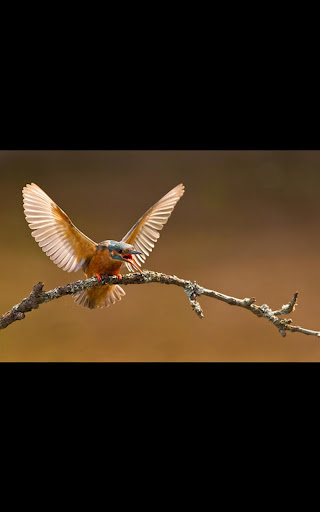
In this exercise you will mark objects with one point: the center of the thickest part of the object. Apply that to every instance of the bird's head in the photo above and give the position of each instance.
(122, 252)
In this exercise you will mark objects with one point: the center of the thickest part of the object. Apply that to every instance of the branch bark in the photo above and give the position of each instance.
(193, 290)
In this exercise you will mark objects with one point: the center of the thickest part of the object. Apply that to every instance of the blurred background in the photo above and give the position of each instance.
(248, 225)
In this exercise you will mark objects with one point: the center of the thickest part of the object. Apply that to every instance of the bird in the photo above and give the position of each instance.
(72, 250)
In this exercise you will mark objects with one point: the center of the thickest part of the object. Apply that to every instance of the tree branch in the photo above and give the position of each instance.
(193, 290)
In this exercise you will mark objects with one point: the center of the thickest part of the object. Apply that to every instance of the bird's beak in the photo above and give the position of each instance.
(135, 266)
(130, 260)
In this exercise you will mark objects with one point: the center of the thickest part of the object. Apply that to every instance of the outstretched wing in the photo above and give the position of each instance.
(53, 230)
(144, 233)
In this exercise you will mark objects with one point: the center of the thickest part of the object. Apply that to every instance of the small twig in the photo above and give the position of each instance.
(288, 308)
(192, 289)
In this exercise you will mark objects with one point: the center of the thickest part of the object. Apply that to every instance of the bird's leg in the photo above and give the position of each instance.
(119, 276)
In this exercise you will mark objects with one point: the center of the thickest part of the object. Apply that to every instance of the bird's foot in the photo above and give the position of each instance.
(98, 276)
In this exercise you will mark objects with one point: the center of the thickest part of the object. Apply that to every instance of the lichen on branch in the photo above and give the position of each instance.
(193, 290)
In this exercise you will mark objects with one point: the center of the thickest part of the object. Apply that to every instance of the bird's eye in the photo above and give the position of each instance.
(120, 251)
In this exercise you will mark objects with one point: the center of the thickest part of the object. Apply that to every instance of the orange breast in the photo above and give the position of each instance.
(101, 263)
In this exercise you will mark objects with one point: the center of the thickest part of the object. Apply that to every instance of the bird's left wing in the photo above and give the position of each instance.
(53, 230)
(144, 233)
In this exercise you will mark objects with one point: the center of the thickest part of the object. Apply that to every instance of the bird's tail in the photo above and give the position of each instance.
(99, 296)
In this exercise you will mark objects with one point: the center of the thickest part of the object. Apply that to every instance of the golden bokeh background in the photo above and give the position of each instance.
(248, 225)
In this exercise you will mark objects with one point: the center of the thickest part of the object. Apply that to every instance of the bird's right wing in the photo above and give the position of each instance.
(144, 234)
(53, 230)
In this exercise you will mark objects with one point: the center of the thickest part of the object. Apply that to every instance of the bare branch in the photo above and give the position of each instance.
(192, 289)
(288, 308)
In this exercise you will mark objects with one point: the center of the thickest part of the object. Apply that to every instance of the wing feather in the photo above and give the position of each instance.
(51, 227)
(144, 234)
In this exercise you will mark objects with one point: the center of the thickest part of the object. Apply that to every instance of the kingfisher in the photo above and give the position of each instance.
(71, 250)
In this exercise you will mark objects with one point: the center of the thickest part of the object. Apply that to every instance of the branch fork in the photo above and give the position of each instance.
(192, 289)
